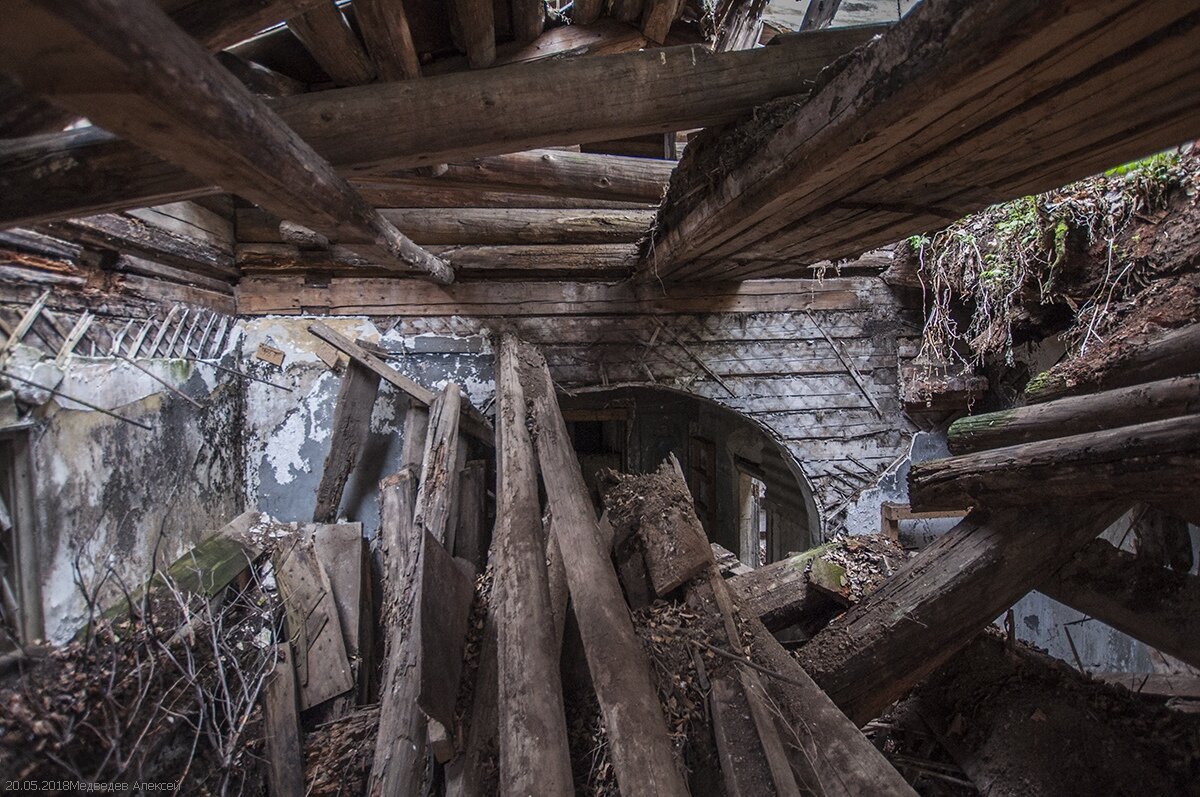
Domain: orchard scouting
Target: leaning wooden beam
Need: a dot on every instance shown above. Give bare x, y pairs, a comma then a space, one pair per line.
779, 593
138, 74
473, 422
1011, 97
325, 33
533, 732
1156, 459
281, 720
876, 652
351, 426
1110, 409
639, 745
407, 124
406, 517
1174, 353
1148, 602
529, 19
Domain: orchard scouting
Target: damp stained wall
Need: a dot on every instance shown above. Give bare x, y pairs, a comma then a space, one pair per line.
109, 497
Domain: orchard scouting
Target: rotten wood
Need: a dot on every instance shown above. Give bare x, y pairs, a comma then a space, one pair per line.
534, 755
136, 73
281, 718
351, 427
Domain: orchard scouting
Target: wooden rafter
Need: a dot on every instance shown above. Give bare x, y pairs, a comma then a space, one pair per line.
415, 123
384, 26
960, 105
327, 36
127, 66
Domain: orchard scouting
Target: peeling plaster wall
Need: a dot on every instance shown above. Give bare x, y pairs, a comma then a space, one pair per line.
288, 434
104, 490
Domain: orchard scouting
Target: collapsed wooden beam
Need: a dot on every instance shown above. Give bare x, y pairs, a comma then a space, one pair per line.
1159, 458
406, 124
1148, 602
881, 648
473, 421
135, 72
1110, 409
533, 734
961, 105
639, 745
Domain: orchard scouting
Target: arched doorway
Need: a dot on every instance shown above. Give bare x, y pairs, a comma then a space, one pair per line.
749, 493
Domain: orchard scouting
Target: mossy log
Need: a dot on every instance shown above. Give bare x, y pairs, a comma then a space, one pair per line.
1176, 353
1149, 461
1110, 409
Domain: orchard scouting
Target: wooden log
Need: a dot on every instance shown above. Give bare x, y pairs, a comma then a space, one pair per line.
1148, 602
528, 19
327, 36
491, 226
129, 235
1110, 409
625, 10
476, 20
418, 123
259, 79
351, 427
474, 423
585, 12
399, 762
609, 262
554, 172
957, 585
218, 24
285, 757
637, 732
533, 731
132, 70
657, 18
385, 29
743, 768
820, 14
985, 84
1150, 459
1175, 353
674, 552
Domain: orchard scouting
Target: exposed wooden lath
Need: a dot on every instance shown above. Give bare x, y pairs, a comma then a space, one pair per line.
961, 105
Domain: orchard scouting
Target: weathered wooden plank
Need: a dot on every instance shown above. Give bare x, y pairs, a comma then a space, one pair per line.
532, 730
472, 537
420, 123
281, 718
134, 236
289, 295
443, 607
957, 585
325, 33
129, 68
1150, 459
322, 667
342, 550
639, 745
984, 84
351, 426
1158, 606
476, 20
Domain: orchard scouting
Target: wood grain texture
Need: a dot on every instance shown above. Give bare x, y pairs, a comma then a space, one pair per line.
128, 67
327, 36
423, 123
351, 427
957, 585
985, 84
534, 755
385, 29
